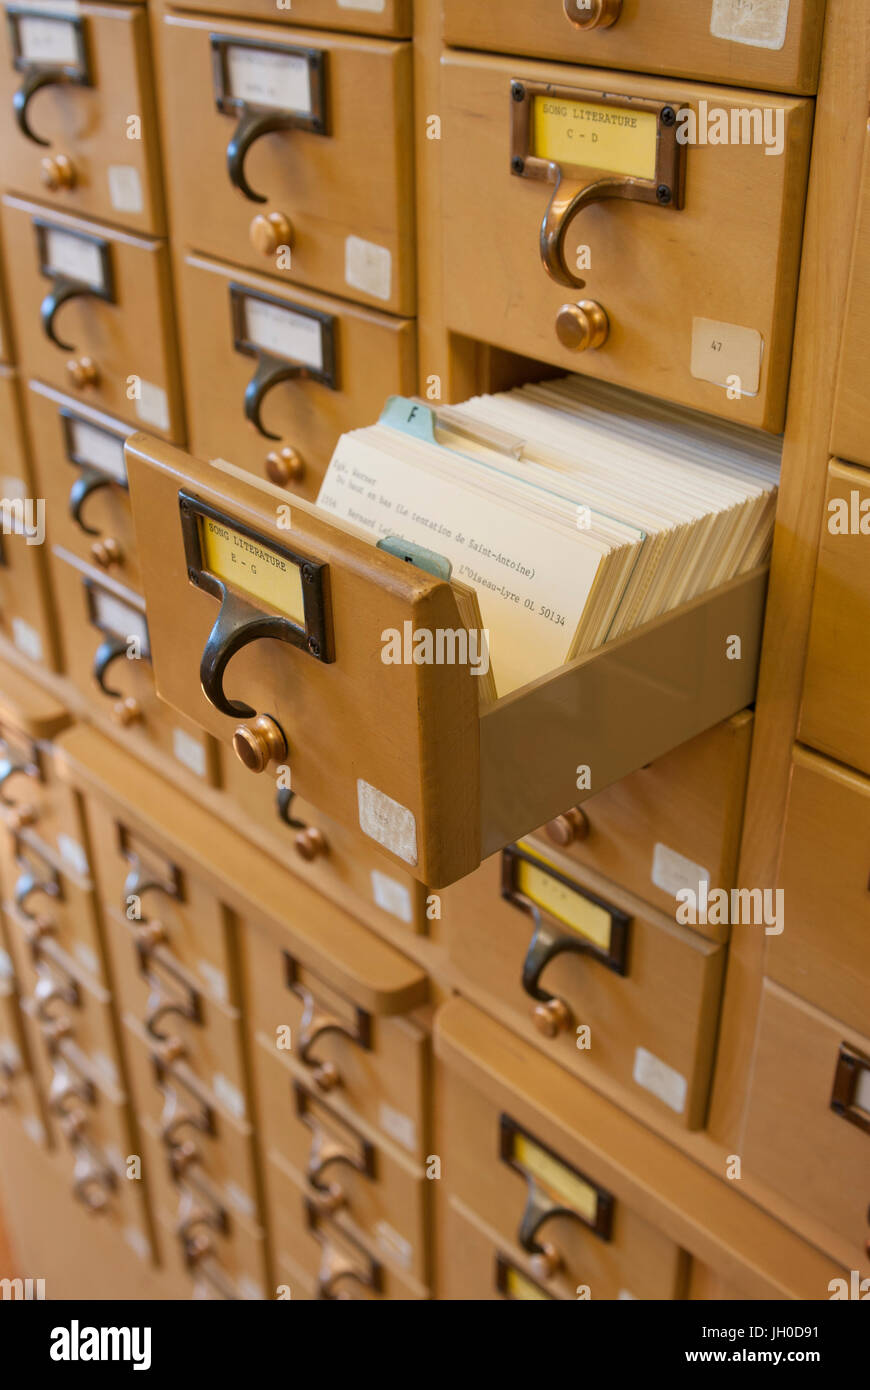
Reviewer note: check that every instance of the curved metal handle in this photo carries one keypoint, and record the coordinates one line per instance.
(159, 1009)
(316, 1024)
(35, 78)
(28, 884)
(568, 201)
(106, 653)
(325, 1153)
(88, 481)
(547, 942)
(238, 623)
(8, 769)
(48, 992)
(62, 290)
(270, 372)
(538, 1209)
(284, 801)
(91, 1186)
(252, 124)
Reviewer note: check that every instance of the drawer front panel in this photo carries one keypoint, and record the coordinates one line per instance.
(71, 1017)
(391, 17)
(774, 46)
(587, 984)
(296, 160)
(375, 1067)
(366, 1188)
(81, 153)
(105, 296)
(79, 460)
(50, 905)
(808, 1121)
(704, 327)
(851, 428)
(300, 419)
(838, 667)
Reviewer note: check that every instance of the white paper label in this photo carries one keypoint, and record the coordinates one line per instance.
(107, 1067)
(72, 853)
(9, 1054)
(392, 896)
(624, 1295)
(119, 619)
(7, 972)
(760, 23)
(266, 78)
(88, 958)
(399, 1127)
(137, 1242)
(250, 1289)
(672, 871)
(33, 1128)
(75, 256)
(153, 405)
(215, 979)
(189, 751)
(393, 1244)
(27, 639)
(47, 40)
(284, 331)
(240, 1200)
(97, 447)
(386, 821)
(862, 1090)
(727, 355)
(228, 1095)
(370, 6)
(125, 188)
(663, 1081)
(368, 267)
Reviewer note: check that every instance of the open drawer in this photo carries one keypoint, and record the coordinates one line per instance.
(268, 628)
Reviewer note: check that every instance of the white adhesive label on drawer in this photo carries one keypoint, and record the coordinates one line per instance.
(125, 188)
(215, 979)
(368, 267)
(624, 1296)
(660, 1079)
(137, 1242)
(266, 77)
(72, 853)
(189, 751)
(672, 871)
(250, 1289)
(27, 639)
(759, 23)
(34, 1129)
(118, 618)
(228, 1095)
(7, 973)
(104, 451)
(392, 896)
(727, 355)
(107, 1067)
(370, 6)
(862, 1091)
(240, 1200)
(87, 957)
(9, 1054)
(152, 405)
(387, 821)
(394, 1245)
(78, 257)
(399, 1127)
(45, 40)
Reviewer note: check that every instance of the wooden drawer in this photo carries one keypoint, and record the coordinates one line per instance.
(177, 918)
(26, 617)
(581, 969)
(319, 1034)
(301, 417)
(774, 46)
(200, 1140)
(807, 1132)
(833, 718)
(71, 1016)
(199, 1238)
(552, 1219)
(670, 826)
(693, 316)
(851, 426)
(823, 954)
(297, 156)
(50, 904)
(326, 1255)
(181, 1021)
(357, 16)
(79, 461)
(106, 648)
(92, 312)
(371, 1191)
(72, 76)
(436, 781)
(20, 1097)
(334, 861)
(30, 793)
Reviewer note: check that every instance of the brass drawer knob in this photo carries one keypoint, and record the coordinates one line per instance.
(310, 843)
(546, 1262)
(21, 816)
(57, 172)
(269, 231)
(106, 553)
(566, 829)
(582, 326)
(284, 466)
(551, 1018)
(326, 1076)
(83, 371)
(127, 711)
(593, 14)
(257, 744)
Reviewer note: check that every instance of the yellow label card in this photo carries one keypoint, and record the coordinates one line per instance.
(518, 1286)
(249, 565)
(566, 904)
(557, 1178)
(593, 136)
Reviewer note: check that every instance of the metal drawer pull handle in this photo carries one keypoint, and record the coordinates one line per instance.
(271, 371)
(25, 887)
(158, 1009)
(35, 78)
(49, 992)
(252, 125)
(62, 290)
(10, 768)
(88, 481)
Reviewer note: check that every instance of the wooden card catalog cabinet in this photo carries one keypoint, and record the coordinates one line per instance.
(65, 80)
(268, 625)
(639, 230)
(292, 154)
(773, 44)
